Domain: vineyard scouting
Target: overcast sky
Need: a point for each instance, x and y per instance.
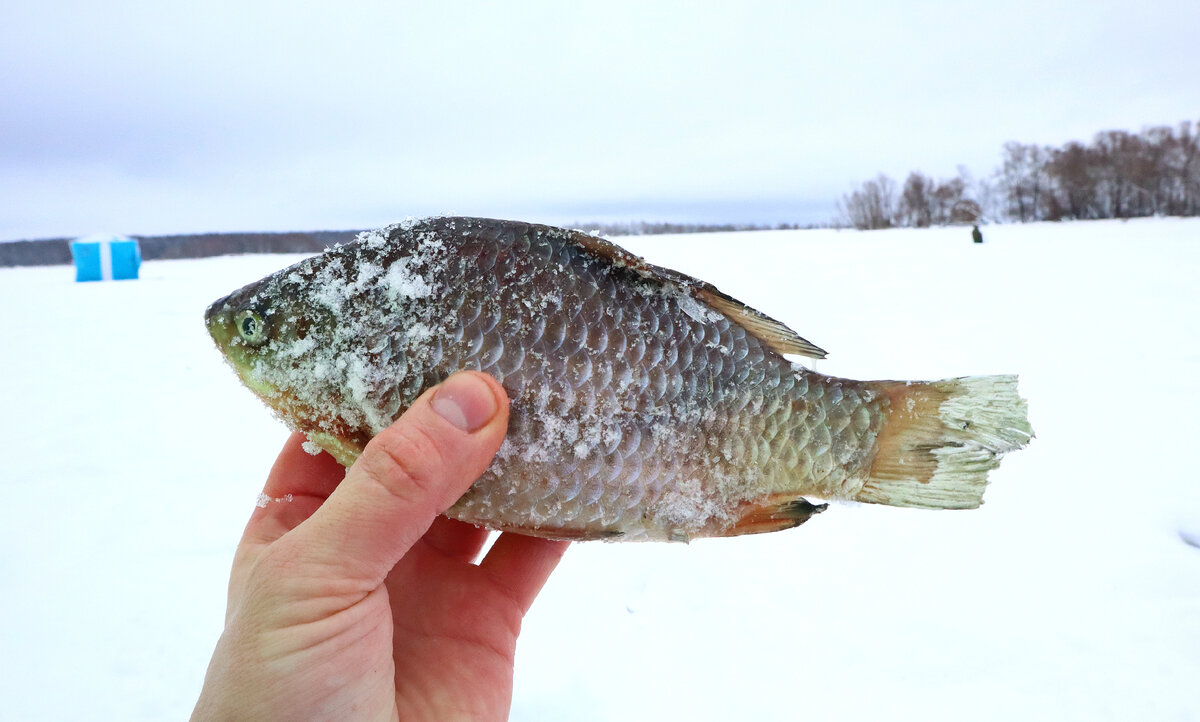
(160, 117)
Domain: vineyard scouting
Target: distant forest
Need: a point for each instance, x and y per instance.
(1118, 175)
(57, 251)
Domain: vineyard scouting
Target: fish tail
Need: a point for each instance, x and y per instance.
(941, 438)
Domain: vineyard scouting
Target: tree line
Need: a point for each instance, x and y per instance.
(57, 251)
(1119, 174)
(658, 228)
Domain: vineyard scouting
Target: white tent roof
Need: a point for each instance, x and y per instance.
(101, 237)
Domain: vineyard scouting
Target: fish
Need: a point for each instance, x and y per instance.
(646, 405)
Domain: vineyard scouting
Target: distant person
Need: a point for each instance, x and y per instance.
(977, 235)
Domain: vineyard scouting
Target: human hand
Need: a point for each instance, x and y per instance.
(355, 600)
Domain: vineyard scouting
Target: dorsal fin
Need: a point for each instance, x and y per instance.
(777, 336)
(774, 334)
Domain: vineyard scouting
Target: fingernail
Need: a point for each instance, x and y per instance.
(466, 401)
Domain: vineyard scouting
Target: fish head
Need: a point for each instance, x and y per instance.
(294, 343)
(253, 330)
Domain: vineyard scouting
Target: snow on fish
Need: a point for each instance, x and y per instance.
(646, 404)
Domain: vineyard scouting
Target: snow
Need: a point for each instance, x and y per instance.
(102, 238)
(263, 500)
(135, 457)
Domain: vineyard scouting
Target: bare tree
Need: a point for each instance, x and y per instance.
(1181, 171)
(946, 197)
(1074, 182)
(872, 206)
(1118, 175)
(915, 208)
(988, 199)
(1117, 162)
(1022, 179)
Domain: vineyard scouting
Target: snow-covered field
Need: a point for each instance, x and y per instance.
(133, 457)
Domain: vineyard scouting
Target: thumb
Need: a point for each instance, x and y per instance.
(407, 475)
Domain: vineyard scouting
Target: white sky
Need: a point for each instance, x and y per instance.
(158, 117)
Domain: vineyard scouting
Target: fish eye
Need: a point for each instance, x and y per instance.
(250, 327)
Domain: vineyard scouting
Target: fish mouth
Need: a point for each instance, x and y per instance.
(218, 319)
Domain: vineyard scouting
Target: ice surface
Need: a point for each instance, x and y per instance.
(1070, 595)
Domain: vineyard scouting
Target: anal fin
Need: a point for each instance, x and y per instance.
(775, 513)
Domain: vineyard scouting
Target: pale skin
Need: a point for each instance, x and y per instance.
(356, 600)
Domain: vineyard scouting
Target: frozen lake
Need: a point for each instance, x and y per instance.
(134, 458)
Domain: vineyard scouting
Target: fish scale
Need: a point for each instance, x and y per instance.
(645, 403)
(588, 417)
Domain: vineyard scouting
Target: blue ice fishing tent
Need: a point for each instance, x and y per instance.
(106, 258)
